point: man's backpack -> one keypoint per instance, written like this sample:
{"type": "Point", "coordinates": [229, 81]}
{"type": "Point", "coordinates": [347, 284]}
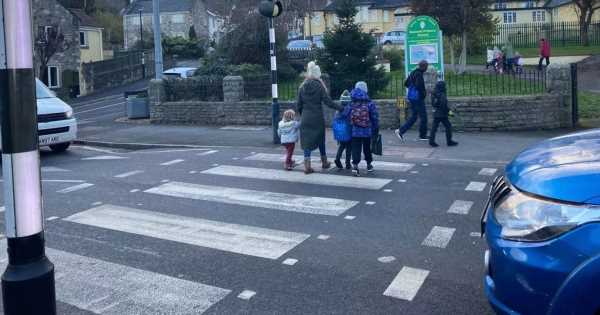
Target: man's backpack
{"type": "Point", "coordinates": [413, 94]}
{"type": "Point", "coordinates": [360, 115]}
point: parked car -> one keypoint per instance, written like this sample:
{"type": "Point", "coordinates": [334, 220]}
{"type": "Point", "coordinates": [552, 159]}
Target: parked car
{"type": "Point", "coordinates": [542, 226]}
{"type": "Point", "coordinates": [300, 44]}
{"type": "Point", "coordinates": [394, 38]}
{"type": "Point", "coordinates": [180, 73]}
{"type": "Point", "coordinates": [57, 127]}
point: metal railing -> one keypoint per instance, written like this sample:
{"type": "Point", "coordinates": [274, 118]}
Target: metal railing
{"type": "Point", "coordinates": [528, 35]}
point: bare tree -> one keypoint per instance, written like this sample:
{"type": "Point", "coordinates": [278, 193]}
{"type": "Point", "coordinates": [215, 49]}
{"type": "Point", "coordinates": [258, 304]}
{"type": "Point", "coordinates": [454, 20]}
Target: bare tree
{"type": "Point", "coordinates": [49, 41]}
{"type": "Point", "coordinates": [585, 10]}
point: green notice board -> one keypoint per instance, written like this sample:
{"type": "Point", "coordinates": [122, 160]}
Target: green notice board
{"type": "Point", "coordinates": [424, 42]}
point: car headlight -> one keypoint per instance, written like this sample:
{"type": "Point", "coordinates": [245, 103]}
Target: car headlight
{"type": "Point", "coordinates": [69, 114]}
{"type": "Point", "coordinates": [529, 219]}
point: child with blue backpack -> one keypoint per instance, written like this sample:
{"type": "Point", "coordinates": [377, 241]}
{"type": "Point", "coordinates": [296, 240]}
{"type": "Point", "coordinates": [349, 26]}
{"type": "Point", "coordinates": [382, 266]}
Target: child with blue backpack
{"type": "Point", "coordinates": [342, 132]}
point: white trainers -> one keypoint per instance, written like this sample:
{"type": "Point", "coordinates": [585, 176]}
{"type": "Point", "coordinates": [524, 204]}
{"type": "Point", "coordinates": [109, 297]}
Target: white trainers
{"type": "Point", "coordinates": [399, 135]}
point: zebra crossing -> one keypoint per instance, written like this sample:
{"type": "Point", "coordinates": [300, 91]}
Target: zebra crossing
{"type": "Point", "coordinates": [137, 291]}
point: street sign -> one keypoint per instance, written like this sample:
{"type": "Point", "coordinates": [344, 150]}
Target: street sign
{"type": "Point", "coordinates": [424, 42]}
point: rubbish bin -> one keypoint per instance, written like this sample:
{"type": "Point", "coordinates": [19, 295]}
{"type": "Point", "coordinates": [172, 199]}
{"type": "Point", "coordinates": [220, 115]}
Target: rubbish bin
{"type": "Point", "coordinates": [137, 104]}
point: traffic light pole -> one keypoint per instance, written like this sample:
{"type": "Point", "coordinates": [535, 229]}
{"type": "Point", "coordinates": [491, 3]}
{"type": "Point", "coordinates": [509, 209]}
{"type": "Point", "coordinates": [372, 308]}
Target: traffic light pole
{"type": "Point", "coordinates": [28, 282]}
{"type": "Point", "coordinates": [274, 86]}
{"type": "Point", "coordinates": [158, 54]}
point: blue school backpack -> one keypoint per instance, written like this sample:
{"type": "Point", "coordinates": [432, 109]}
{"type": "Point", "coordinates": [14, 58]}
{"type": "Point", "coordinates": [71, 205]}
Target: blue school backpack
{"type": "Point", "coordinates": [413, 94]}
{"type": "Point", "coordinates": [342, 130]}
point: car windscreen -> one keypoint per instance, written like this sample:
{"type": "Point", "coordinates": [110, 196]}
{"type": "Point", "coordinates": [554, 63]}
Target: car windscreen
{"type": "Point", "coordinates": [41, 91]}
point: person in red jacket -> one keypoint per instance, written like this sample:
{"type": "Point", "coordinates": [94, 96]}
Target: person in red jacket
{"type": "Point", "coordinates": [544, 52]}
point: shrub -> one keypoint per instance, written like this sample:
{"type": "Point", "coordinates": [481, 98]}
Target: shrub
{"type": "Point", "coordinates": [286, 72]}
{"type": "Point", "coordinates": [396, 58]}
{"type": "Point", "coordinates": [182, 47]}
{"type": "Point", "coordinates": [247, 70]}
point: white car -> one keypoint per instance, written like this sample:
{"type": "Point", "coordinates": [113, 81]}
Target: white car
{"type": "Point", "coordinates": [180, 73]}
{"type": "Point", "coordinates": [394, 38]}
{"type": "Point", "coordinates": [57, 127]}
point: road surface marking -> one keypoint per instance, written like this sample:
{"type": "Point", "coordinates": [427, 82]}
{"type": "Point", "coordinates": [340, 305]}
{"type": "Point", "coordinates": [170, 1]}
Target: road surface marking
{"type": "Point", "coordinates": [2, 209]}
{"type": "Point", "coordinates": [379, 165]}
{"type": "Point", "coordinates": [104, 158]}
{"type": "Point", "coordinates": [193, 172]}
{"type": "Point", "coordinates": [323, 237]}
{"type": "Point", "coordinates": [255, 198]}
{"type": "Point", "coordinates": [402, 181]}
{"type": "Point", "coordinates": [75, 188]}
{"type": "Point", "coordinates": [370, 203]}
{"type": "Point", "coordinates": [97, 203]}
{"type": "Point", "coordinates": [134, 191]}
{"type": "Point", "coordinates": [439, 237]}
{"type": "Point", "coordinates": [475, 234]}
{"type": "Point", "coordinates": [243, 128]}
{"type": "Point", "coordinates": [414, 172]}
{"type": "Point", "coordinates": [387, 190]}
{"type": "Point", "coordinates": [476, 186]}
{"type": "Point", "coordinates": [103, 287]}
{"type": "Point", "coordinates": [350, 217]}
{"type": "Point", "coordinates": [461, 207]}
{"type": "Point", "coordinates": [215, 165]}
{"type": "Point", "coordinates": [290, 261]}
{"type": "Point", "coordinates": [52, 218]}
{"type": "Point", "coordinates": [164, 181]}
{"type": "Point", "coordinates": [172, 162]}
{"type": "Point", "coordinates": [124, 175]}
{"type": "Point", "coordinates": [407, 283]}
{"type": "Point", "coordinates": [488, 171]}
{"type": "Point", "coordinates": [246, 295]}
{"type": "Point", "coordinates": [425, 164]}
{"type": "Point", "coordinates": [298, 177]}
{"type": "Point", "coordinates": [386, 259]}
{"type": "Point", "coordinates": [234, 238]}
{"type": "Point", "coordinates": [52, 169]}
{"type": "Point", "coordinates": [97, 108]}
{"type": "Point", "coordinates": [85, 147]}
{"type": "Point", "coordinates": [208, 153]}
{"type": "Point", "coordinates": [71, 181]}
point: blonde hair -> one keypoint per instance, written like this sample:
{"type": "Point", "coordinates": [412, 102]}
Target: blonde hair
{"type": "Point", "coordinates": [289, 115]}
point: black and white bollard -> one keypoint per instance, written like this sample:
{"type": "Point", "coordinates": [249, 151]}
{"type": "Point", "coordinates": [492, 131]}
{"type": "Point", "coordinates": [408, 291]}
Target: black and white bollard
{"type": "Point", "coordinates": [274, 86]}
{"type": "Point", "coordinates": [28, 282]}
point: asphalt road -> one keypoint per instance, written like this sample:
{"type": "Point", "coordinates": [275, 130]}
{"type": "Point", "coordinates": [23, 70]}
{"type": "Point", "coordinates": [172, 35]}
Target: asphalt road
{"type": "Point", "coordinates": [227, 231]}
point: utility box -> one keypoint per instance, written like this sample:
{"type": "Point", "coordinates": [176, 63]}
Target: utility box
{"type": "Point", "coordinates": [138, 106]}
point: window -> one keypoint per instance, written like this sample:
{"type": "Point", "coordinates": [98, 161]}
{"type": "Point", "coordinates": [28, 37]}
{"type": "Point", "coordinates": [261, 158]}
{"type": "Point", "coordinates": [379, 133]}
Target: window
{"type": "Point", "coordinates": [530, 4]}
{"type": "Point", "coordinates": [53, 77]}
{"type": "Point", "coordinates": [539, 16]}
{"type": "Point", "coordinates": [363, 14]}
{"type": "Point", "coordinates": [386, 16]}
{"type": "Point", "coordinates": [47, 31]}
{"type": "Point", "coordinates": [316, 20]}
{"type": "Point", "coordinates": [83, 40]}
{"type": "Point", "coordinates": [510, 17]}
{"type": "Point", "coordinates": [500, 5]}
{"type": "Point", "coordinates": [372, 16]}
{"type": "Point", "coordinates": [178, 18]}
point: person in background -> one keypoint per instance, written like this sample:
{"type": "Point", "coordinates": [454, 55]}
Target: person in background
{"type": "Point", "coordinates": [545, 52]}
{"type": "Point", "coordinates": [288, 132]}
{"type": "Point", "coordinates": [439, 101]}
{"type": "Point", "coordinates": [345, 140]}
{"type": "Point", "coordinates": [365, 123]}
{"type": "Point", "coordinates": [312, 95]}
{"type": "Point", "coordinates": [509, 55]}
{"type": "Point", "coordinates": [416, 80]}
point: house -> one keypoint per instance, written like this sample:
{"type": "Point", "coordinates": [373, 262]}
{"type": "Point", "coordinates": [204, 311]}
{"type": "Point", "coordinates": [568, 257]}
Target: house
{"type": "Point", "coordinates": [176, 20]}
{"type": "Point", "coordinates": [541, 11]}
{"type": "Point", "coordinates": [378, 16]}
{"type": "Point", "coordinates": [90, 43]}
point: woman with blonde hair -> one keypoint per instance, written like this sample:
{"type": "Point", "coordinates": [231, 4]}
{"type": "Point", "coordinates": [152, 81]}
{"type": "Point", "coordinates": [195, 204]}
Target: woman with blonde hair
{"type": "Point", "coordinates": [312, 95]}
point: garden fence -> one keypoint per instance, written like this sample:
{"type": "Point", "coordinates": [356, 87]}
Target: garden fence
{"type": "Point", "coordinates": [528, 35]}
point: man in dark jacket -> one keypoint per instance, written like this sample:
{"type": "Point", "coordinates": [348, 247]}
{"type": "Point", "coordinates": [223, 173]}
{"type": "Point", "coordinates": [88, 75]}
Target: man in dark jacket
{"type": "Point", "coordinates": [417, 107]}
{"type": "Point", "coordinates": [439, 102]}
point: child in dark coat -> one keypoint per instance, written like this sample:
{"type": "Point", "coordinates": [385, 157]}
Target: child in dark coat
{"type": "Point", "coordinates": [439, 101]}
{"type": "Point", "coordinates": [346, 101]}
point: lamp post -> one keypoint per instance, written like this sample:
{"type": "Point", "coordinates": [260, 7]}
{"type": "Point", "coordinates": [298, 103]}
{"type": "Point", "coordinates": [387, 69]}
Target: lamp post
{"type": "Point", "coordinates": [158, 57]}
{"type": "Point", "coordinates": [272, 9]}
{"type": "Point", "coordinates": [28, 281]}
{"type": "Point", "coordinates": [142, 44]}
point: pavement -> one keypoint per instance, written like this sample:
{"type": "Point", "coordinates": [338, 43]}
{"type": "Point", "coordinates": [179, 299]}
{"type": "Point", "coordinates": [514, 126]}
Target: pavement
{"type": "Point", "coordinates": [158, 219]}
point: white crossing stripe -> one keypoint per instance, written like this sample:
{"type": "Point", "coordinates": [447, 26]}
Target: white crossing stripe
{"type": "Point", "coordinates": [476, 186]}
{"type": "Point", "coordinates": [243, 128]}
{"type": "Point", "coordinates": [207, 153]}
{"type": "Point", "coordinates": [386, 259]}
{"type": "Point", "coordinates": [128, 174]}
{"type": "Point", "coordinates": [290, 261]}
{"type": "Point", "coordinates": [246, 295]}
{"type": "Point", "coordinates": [323, 237]}
{"type": "Point", "coordinates": [235, 238]}
{"type": "Point", "coordinates": [407, 283]}
{"type": "Point", "coordinates": [104, 158]}
{"type": "Point", "coordinates": [461, 207]}
{"type": "Point", "coordinates": [52, 169]}
{"type": "Point", "coordinates": [172, 162]}
{"type": "Point", "coordinates": [488, 171]}
{"type": "Point", "coordinates": [75, 188]}
{"type": "Point", "coordinates": [439, 237]}
{"type": "Point", "coordinates": [103, 287]}
{"type": "Point", "coordinates": [255, 198]}
{"type": "Point", "coordinates": [52, 218]}
{"type": "Point", "coordinates": [378, 165]}
{"type": "Point", "coordinates": [298, 177]}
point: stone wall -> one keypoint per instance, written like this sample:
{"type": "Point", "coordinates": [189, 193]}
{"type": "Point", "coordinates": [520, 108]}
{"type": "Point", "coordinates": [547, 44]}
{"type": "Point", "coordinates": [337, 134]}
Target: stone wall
{"type": "Point", "coordinates": [497, 113]}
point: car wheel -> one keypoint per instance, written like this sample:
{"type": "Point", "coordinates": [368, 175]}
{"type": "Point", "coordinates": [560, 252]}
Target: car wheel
{"type": "Point", "coordinates": [61, 147]}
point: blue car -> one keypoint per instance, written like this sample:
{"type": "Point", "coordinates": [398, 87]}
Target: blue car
{"type": "Point", "coordinates": [542, 226]}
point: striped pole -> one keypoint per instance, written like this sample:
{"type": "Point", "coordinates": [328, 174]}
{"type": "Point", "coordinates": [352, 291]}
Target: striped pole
{"type": "Point", "coordinates": [274, 87]}
{"type": "Point", "coordinates": [28, 282]}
